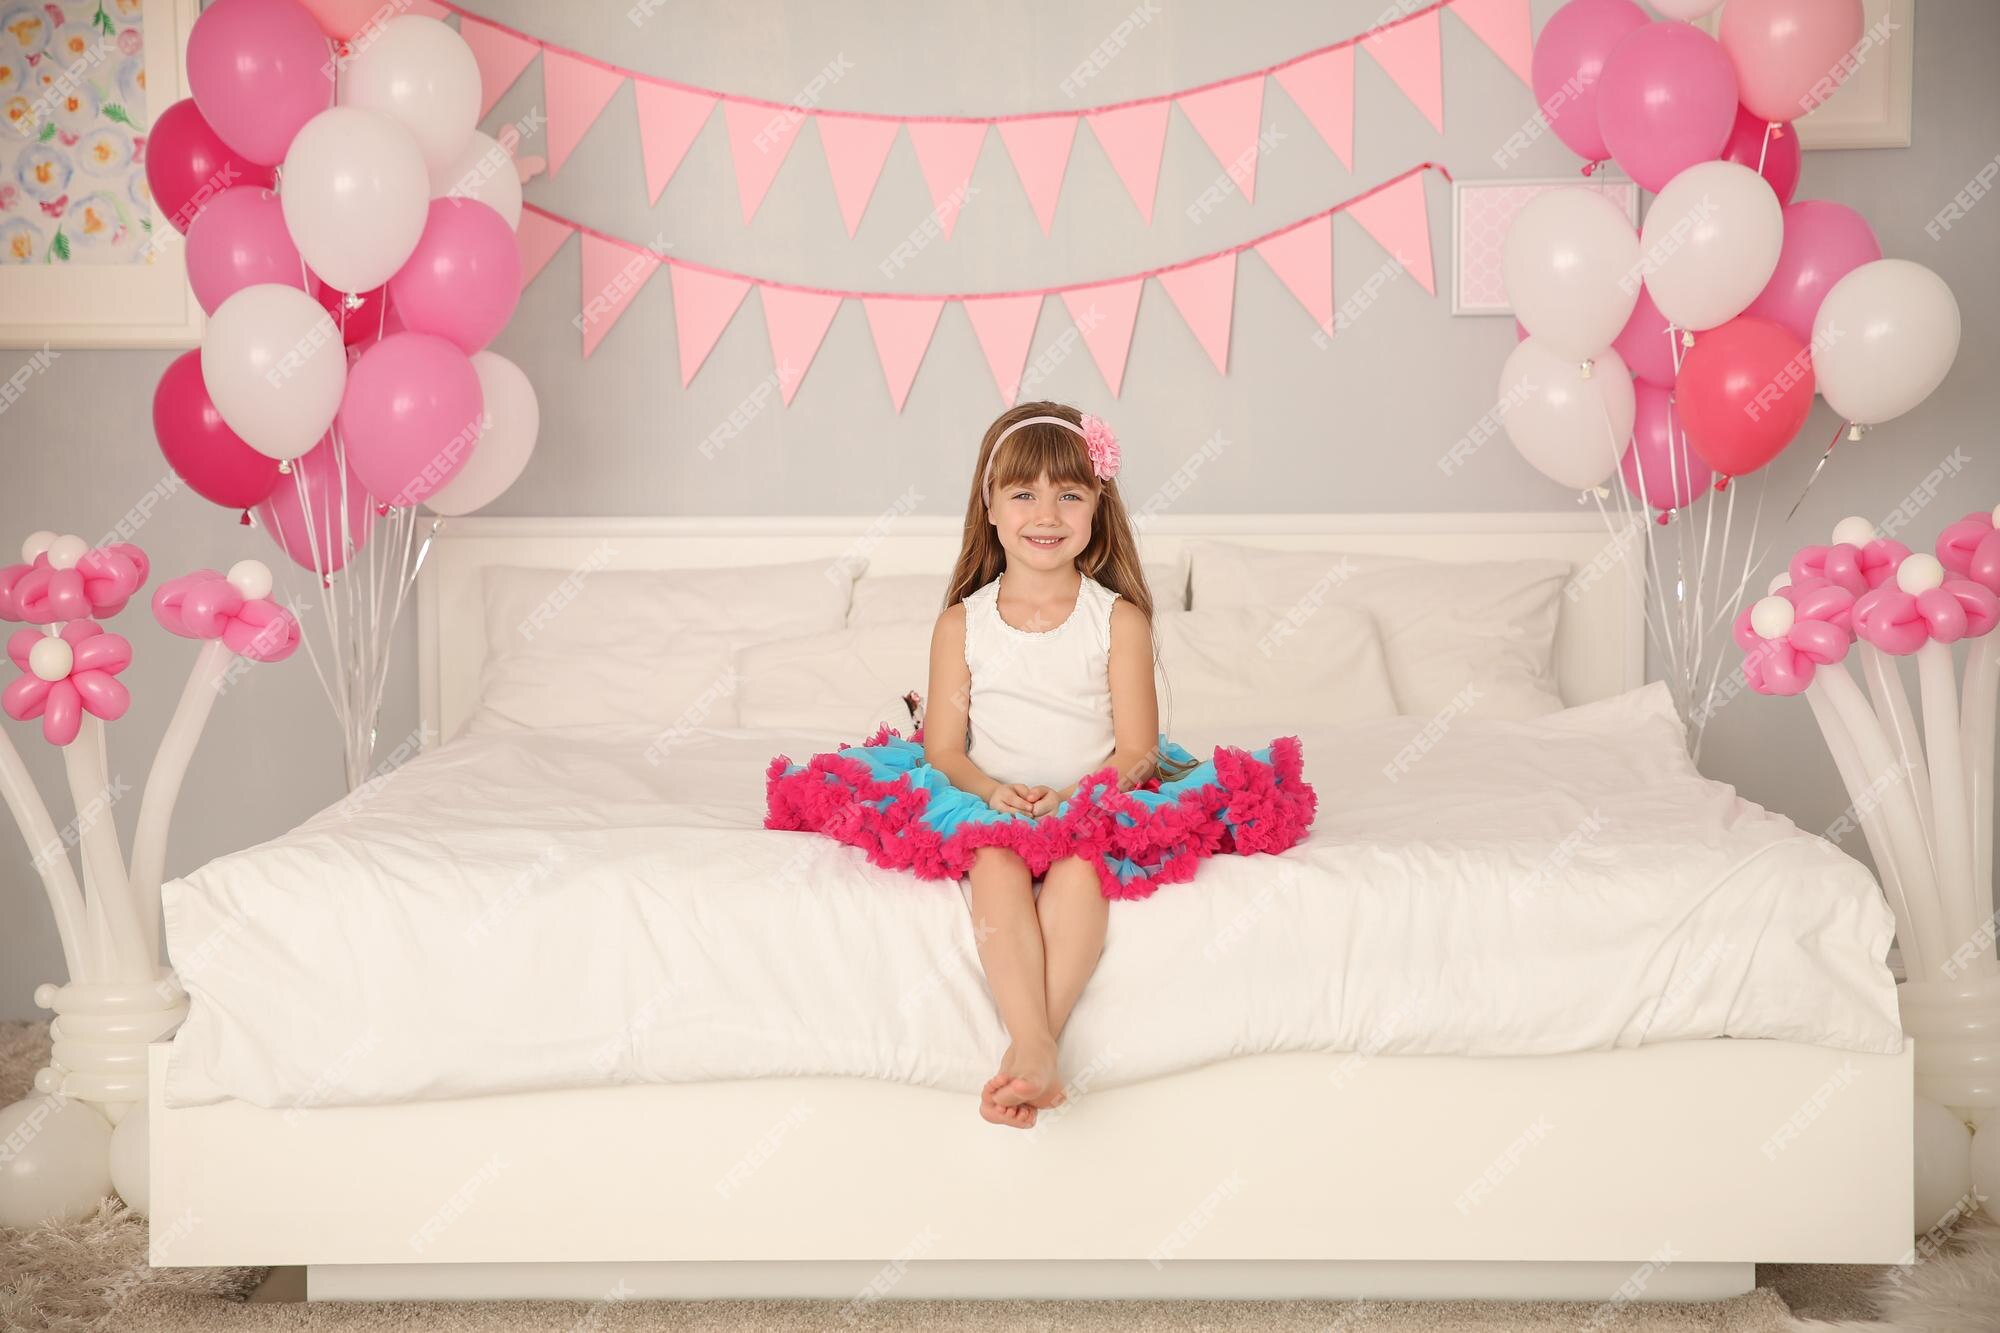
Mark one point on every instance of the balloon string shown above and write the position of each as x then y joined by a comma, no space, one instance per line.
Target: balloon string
1765,151
1818,468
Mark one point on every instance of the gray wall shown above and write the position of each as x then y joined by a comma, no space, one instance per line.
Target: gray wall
1356,426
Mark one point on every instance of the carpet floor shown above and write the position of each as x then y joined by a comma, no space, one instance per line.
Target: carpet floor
93,1275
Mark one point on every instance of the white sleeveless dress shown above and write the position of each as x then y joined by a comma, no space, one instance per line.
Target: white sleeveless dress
1039,711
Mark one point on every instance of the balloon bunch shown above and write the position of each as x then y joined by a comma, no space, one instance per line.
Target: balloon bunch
351,235
1923,800
1688,352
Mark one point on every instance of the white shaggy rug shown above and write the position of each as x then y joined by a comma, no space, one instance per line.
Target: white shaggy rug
93,1275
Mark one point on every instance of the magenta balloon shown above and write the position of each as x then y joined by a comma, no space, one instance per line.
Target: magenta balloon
259,69
200,447
1569,64
1645,345
1659,456
1781,160
240,241
1667,100
187,164
1824,242
464,278
411,415
284,518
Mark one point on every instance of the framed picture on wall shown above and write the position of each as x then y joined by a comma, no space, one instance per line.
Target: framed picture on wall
86,257
1871,108
1481,212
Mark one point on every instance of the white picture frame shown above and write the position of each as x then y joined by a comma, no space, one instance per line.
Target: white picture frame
1871,109
117,305
1480,212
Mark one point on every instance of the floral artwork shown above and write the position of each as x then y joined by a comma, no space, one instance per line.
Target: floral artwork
73,156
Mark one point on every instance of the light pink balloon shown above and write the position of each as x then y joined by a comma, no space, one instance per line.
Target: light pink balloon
341,19
258,69
285,519
239,240
1824,242
1667,100
1568,63
1672,474
1776,155
463,279
1646,344
1790,55
412,413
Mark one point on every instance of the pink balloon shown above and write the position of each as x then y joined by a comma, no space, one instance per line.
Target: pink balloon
187,163
411,415
1790,55
285,519
1824,242
1781,158
1646,345
1673,475
259,69
198,444
1569,63
464,278
239,241
1667,100
341,19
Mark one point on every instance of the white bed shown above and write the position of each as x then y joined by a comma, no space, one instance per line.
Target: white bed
1531,928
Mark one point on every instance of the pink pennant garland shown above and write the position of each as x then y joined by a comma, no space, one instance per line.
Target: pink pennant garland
704,303
902,330
855,149
612,276
1204,293
577,92
1505,26
1303,260
797,323
1133,137
500,55
1005,326
1104,315
1226,117
1040,150
1399,218
1323,87
947,150
759,138
1407,51
669,120
538,238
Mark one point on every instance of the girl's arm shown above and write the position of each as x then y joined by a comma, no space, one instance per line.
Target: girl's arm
1135,707
946,710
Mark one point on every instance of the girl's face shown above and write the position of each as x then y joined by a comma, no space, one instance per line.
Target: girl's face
1041,524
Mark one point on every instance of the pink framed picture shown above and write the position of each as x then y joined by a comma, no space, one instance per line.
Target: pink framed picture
1481,212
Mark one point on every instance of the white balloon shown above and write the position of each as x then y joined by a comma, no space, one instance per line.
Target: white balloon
1944,1163
1573,428
1571,269
1687,11
356,195
128,1161
511,419
423,74
275,367
1884,339
1710,243
482,171
60,1163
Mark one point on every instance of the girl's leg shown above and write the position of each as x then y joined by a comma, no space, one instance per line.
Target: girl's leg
1073,912
1010,949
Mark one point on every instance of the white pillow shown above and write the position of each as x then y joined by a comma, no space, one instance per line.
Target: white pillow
890,597
569,647
1476,638
1230,671
850,681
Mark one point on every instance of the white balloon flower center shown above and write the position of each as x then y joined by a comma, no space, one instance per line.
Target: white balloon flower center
1919,573
36,543
251,578
1781,581
1772,617
1853,531
51,659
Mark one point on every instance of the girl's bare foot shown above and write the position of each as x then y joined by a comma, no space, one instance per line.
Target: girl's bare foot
1029,1070
1015,1117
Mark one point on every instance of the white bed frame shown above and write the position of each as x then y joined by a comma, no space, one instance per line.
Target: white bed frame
1663,1172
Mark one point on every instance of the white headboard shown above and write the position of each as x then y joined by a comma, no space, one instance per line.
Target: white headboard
1600,639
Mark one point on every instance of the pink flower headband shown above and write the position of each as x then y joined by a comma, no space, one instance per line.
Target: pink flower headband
1098,442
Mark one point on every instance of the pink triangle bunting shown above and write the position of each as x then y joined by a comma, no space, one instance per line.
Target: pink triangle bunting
797,323
1303,260
1399,218
1132,137
1323,87
1204,293
1407,51
1005,326
947,150
538,237
759,138
1226,117
902,330
704,303
577,92
1040,150
669,120
612,276
500,55
1104,315
1505,26
855,148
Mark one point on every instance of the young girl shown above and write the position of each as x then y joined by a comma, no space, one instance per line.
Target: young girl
1041,757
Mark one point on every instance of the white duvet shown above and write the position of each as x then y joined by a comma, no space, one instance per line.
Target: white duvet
549,909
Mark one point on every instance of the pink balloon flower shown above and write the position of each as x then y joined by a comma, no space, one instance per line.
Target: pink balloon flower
206,605
58,586
64,676
1970,548
1900,621
1811,628
1855,568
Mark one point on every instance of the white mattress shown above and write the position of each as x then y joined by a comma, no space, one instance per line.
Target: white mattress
548,909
